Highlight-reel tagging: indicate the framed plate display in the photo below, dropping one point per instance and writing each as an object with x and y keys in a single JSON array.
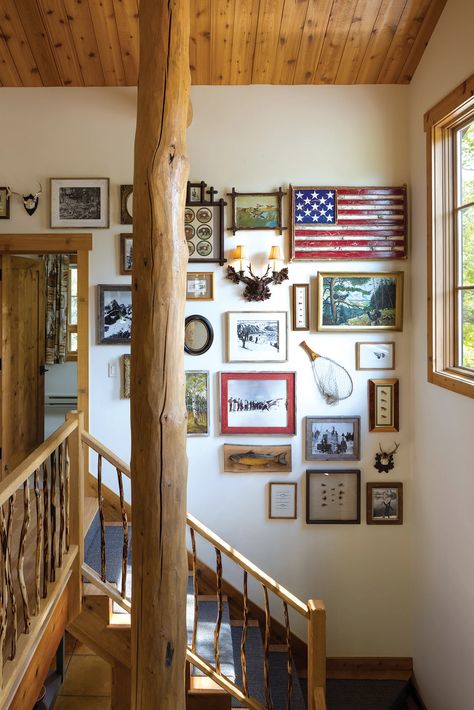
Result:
[
  {"x": 4, "y": 203},
  {"x": 198, "y": 335},
  {"x": 383, "y": 405},
  {"x": 333, "y": 496},
  {"x": 126, "y": 204},
  {"x": 257, "y": 403},
  {"x": 282, "y": 500},
  {"x": 256, "y": 210},
  {"x": 332, "y": 438},
  {"x": 197, "y": 402},
  {"x": 256, "y": 336},
  {"x": 375, "y": 356},
  {"x": 115, "y": 314},
  {"x": 126, "y": 254},
  {"x": 300, "y": 311},
  {"x": 204, "y": 224},
  {"x": 360, "y": 301},
  {"x": 200, "y": 286},
  {"x": 79, "y": 202},
  {"x": 384, "y": 503}
]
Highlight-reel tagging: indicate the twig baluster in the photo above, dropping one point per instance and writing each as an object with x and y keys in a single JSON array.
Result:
[
  {"x": 195, "y": 591},
  {"x": 21, "y": 556},
  {"x": 125, "y": 534},
  {"x": 67, "y": 491},
  {"x": 289, "y": 662},
  {"x": 52, "y": 576},
  {"x": 62, "y": 512},
  {"x": 243, "y": 650},
  {"x": 3, "y": 590},
  {"x": 45, "y": 530},
  {"x": 266, "y": 658},
  {"x": 39, "y": 542},
  {"x": 220, "y": 607},
  {"x": 103, "y": 571},
  {"x": 11, "y": 588}
]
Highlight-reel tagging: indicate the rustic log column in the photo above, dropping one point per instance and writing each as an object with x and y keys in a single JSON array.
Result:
[{"x": 159, "y": 462}]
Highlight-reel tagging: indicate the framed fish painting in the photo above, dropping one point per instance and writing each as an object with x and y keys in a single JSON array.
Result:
[{"x": 248, "y": 458}]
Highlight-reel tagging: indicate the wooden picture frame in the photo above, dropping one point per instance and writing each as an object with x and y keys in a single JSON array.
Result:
[
  {"x": 258, "y": 403},
  {"x": 249, "y": 458},
  {"x": 204, "y": 224},
  {"x": 377, "y": 304},
  {"x": 257, "y": 336},
  {"x": 80, "y": 203},
  {"x": 4, "y": 203},
  {"x": 126, "y": 204},
  {"x": 383, "y": 405},
  {"x": 126, "y": 363},
  {"x": 198, "y": 335},
  {"x": 300, "y": 307},
  {"x": 332, "y": 438},
  {"x": 384, "y": 504},
  {"x": 115, "y": 314},
  {"x": 197, "y": 402},
  {"x": 333, "y": 496},
  {"x": 282, "y": 500},
  {"x": 375, "y": 355},
  {"x": 249, "y": 211},
  {"x": 200, "y": 286},
  {"x": 126, "y": 254}
]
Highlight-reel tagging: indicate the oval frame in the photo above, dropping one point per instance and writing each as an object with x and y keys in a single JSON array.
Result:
[{"x": 210, "y": 335}]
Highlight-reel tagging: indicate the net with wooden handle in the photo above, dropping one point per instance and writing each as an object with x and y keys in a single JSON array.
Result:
[{"x": 332, "y": 380}]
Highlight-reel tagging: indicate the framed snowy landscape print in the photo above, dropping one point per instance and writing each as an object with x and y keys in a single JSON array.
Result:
[
  {"x": 257, "y": 336},
  {"x": 115, "y": 314}
]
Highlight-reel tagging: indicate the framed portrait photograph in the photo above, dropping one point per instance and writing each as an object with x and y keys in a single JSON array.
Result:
[
  {"x": 126, "y": 254},
  {"x": 204, "y": 224},
  {"x": 257, "y": 403},
  {"x": 257, "y": 336},
  {"x": 332, "y": 438},
  {"x": 4, "y": 203},
  {"x": 360, "y": 301},
  {"x": 246, "y": 458},
  {"x": 80, "y": 203},
  {"x": 197, "y": 402},
  {"x": 256, "y": 210},
  {"x": 282, "y": 500},
  {"x": 383, "y": 405},
  {"x": 126, "y": 204},
  {"x": 126, "y": 362},
  {"x": 333, "y": 496},
  {"x": 200, "y": 286},
  {"x": 198, "y": 335},
  {"x": 375, "y": 356},
  {"x": 384, "y": 503},
  {"x": 115, "y": 314},
  {"x": 300, "y": 309}
]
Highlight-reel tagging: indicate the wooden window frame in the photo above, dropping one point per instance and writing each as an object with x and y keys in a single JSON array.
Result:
[{"x": 441, "y": 124}]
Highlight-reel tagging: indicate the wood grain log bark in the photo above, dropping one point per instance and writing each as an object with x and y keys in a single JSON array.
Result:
[{"x": 159, "y": 462}]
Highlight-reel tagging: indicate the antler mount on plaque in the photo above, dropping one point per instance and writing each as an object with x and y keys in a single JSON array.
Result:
[
  {"x": 384, "y": 461},
  {"x": 30, "y": 202}
]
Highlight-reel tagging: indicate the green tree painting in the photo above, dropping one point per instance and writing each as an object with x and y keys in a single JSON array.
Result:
[
  {"x": 359, "y": 300},
  {"x": 197, "y": 403}
]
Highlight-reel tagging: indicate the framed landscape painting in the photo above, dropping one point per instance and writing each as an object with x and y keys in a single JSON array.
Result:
[
  {"x": 79, "y": 202},
  {"x": 360, "y": 301},
  {"x": 256, "y": 210},
  {"x": 257, "y": 403},
  {"x": 197, "y": 402},
  {"x": 257, "y": 336}
]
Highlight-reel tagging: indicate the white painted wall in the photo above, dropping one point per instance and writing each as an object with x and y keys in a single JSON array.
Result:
[
  {"x": 443, "y": 480},
  {"x": 253, "y": 138}
]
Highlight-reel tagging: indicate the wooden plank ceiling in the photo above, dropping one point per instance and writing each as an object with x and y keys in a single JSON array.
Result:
[{"x": 95, "y": 42}]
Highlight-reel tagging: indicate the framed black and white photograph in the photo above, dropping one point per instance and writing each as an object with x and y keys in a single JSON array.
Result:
[
  {"x": 126, "y": 204},
  {"x": 375, "y": 356},
  {"x": 80, "y": 202},
  {"x": 200, "y": 286},
  {"x": 126, "y": 254},
  {"x": 197, "y": 402},
  {"x": 333, "y": 496},
  {"x": 4, "y": 203},
  {"x": 115, "y": 314},
  {"x": 282, "y": 500},
  {"x": 332, "y": 439},
  {"x": 384, "y": 504},
  {"x": 256, "y": 336}
]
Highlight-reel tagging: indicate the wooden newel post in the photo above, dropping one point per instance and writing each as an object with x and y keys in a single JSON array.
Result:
[
  {"x": 76, "y": 510},
  {"x": 316, "y": 652},
  {"x": 158, "y": 417}
]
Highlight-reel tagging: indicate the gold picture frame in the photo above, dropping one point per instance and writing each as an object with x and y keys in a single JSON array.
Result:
[
  {"x": 200, "y": 286},
  {"x": 383, "y": 405}
]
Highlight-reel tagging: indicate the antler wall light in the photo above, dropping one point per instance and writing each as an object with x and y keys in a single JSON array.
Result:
[{"x": 257, "y": 288}]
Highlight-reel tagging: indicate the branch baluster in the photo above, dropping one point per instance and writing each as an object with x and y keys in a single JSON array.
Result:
[
  {"x": 125, "y": 534},
  {"x": 52, "y": 576},
  {"x": 266, "y": 655},
  {"x": 45, "y": 530},
  {"x": 62, "y": 503},
  {"x": 39, "y": 541},
  {"x": 103, "y": 562},
  {"x": 195, "y": 591},
  {"x": 21, "y": 556},
  {"x": 220, "y": 607},
  {"x": 289, "y": 662},
  {"x": 243, "y": 650},
  {"x": 67, "y": 493},
  {"x": 9, "y": 574}
]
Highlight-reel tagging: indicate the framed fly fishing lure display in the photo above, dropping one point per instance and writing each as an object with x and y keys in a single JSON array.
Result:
[
  {"x": 383, "y": 405},
  {"x": 333, "y": 496}
]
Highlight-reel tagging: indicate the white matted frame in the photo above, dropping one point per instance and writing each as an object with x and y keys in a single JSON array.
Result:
[
  {"x": 257, "y": 336},
  {"x": 375, "y": 356},
  {"x": 282, "y": 500},
  {"x": 80, "y": 202}
]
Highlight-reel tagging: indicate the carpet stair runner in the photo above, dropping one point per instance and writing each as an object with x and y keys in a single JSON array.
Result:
[{"x": 341, "y": 694}]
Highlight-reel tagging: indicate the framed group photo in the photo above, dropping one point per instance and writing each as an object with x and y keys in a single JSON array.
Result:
[
  {"x": 256, "y": 336},
  {"x": 332, "y": 438}
]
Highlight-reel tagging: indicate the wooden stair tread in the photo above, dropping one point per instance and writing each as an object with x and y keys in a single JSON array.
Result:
[
  {"x": 240, "y": 622},
  {"x": 91, "y": 507}
]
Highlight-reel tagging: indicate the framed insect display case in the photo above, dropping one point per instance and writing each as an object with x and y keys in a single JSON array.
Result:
[
  {"x": 333, "y": 496},
  {"x": 204, "y": 224}
]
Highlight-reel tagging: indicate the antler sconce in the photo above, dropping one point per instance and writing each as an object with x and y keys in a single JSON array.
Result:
[{"x": 257, "y": 288}]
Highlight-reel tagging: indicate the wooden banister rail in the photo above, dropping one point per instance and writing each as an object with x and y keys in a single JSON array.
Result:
[
  {"x": 319, "y": 699},
  {"x": 316, "y": 651},
  {"x": 106, "y": 453}
]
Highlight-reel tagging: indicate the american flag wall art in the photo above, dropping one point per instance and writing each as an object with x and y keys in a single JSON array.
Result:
[{"x": 348, "y": 223}]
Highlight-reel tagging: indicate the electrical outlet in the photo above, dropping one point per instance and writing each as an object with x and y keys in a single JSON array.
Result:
[{"x": 112, "y": 369}]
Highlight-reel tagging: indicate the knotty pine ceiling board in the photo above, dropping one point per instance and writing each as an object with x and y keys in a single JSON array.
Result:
[{"x": 95, "y": 42}]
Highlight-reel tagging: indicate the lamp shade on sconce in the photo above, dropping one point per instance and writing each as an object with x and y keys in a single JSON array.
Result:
[
  {"x": 275, "y": 258},
  {"x": 240, "y": 256}
]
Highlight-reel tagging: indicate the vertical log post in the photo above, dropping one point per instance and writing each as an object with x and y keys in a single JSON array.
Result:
[
  {"x": 158, "y": 418},
  {"x": 316, "y": 650},
  {"x": 76, "y": 522}
]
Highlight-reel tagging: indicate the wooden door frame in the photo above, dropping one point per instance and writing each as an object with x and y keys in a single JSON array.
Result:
[{"x": 80, "y": 244}]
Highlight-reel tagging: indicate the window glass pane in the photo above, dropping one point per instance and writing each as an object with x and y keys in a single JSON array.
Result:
[
  {"x": 467, "y": 247},
  {"x": 73, "y": 303},
  {"x": 467, "y": 163},
  {"x": 73, "y": 342},
  {"x": 467, "y": 300}
]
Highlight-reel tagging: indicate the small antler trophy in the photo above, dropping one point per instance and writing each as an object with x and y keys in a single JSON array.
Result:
[
  {"x": 257, "y": 288},
  {"x": 384, "y": 460},
  {"x": 30, "y": 202}
]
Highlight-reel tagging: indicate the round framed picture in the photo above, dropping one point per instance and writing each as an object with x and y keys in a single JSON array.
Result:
[
  {"x": 189, "y": 231},
  {"x": 204, "y": 248},
  {"x": 191, "y": 248},
  {"x": 189, "y": 214},
  {"x": 204, "y": 231},
  {"x": 198, "y": 335},
  {"x": 204, "y": 214}
]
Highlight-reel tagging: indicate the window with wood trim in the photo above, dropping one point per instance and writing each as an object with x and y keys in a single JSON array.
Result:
[
  {"x": 450, "y": 135},
  {"x": 72, "y": 310}
]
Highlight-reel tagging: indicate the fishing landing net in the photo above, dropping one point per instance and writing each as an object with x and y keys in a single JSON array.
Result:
[{"x": 332, "y": 380}]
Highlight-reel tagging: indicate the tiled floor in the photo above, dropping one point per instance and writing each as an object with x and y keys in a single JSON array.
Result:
[{"x": 87, "y": 682}]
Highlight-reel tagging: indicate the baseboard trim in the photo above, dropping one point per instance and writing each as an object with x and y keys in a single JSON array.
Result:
[{"x": 370, "y": 668}]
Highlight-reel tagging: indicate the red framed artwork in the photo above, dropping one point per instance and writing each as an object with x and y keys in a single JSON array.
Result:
[{"x": 257, "y": 403}]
